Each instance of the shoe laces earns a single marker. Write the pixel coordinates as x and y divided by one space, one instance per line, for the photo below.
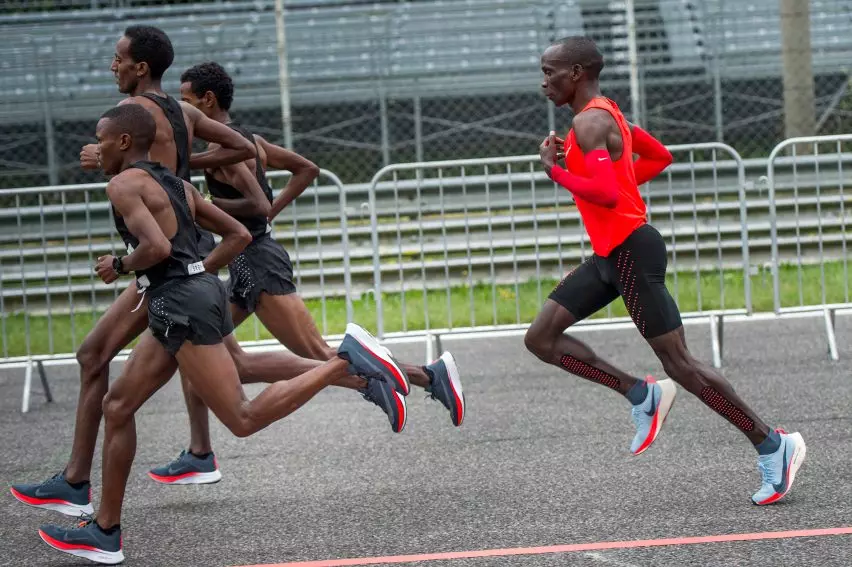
84 520
639 414
767 469
56 479
368 395
180 457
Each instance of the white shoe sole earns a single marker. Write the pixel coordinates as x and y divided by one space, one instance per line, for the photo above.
68 509
197 478
797 461
401 399
370 342
98 556
455 382
669 393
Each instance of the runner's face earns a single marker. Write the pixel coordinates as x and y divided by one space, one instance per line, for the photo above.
111 146
187 95
126 70
559 83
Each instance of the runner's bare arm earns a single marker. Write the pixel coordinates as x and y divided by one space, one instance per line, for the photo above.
234 235
304 172
154 246
653 158
253 201
591 129
234 148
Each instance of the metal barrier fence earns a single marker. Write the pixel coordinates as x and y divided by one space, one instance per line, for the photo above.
50 296
817 229
475 245
466 246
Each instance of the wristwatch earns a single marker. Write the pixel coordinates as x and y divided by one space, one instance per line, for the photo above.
117 265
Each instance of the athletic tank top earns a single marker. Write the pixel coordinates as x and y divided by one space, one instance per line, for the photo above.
607 228
174 114
257 225
184 259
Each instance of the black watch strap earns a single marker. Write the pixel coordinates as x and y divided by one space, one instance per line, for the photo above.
118 265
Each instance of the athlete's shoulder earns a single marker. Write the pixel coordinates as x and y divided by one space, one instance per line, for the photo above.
592 117
131 180
591 126
144 101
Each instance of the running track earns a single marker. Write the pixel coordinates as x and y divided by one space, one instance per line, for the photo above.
538 475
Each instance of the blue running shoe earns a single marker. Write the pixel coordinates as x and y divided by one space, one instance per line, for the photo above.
369 359
56 494
392 402
778 469
188 469
87 540
650 415
446 386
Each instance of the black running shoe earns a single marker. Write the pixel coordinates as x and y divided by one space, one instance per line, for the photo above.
188 469
56 494
87 540
392 402
446 386
368 359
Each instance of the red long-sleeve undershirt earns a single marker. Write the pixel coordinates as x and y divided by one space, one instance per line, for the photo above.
601 187
653 156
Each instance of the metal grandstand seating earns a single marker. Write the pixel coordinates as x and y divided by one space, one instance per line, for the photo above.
436 47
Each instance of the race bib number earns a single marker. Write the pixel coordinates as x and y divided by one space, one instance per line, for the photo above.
195 268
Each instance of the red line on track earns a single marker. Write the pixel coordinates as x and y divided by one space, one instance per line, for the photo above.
594 546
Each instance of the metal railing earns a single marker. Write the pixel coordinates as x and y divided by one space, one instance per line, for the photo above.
469 245
821 204
464 246
47 277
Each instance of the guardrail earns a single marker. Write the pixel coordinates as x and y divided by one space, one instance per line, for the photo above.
470 246
500 221
827 204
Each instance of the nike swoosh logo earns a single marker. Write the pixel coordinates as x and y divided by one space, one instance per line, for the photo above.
173 470
779 487
601 159
39 493
650 413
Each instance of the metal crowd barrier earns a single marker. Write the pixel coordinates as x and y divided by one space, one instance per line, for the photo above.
816 234
48 288
467 246
461 247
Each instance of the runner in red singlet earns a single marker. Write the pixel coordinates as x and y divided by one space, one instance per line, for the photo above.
629 261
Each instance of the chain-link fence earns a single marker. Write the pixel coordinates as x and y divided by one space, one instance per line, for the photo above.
374 83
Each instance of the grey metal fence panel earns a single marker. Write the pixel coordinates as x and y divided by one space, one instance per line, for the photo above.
465 245
810 247
51 237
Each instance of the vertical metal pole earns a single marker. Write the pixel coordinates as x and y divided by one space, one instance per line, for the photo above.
633 55
49 134
418 132
717 100
283 74
383 119
377 271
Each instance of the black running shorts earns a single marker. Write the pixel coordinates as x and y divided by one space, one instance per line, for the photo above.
634 270
192 309
263 267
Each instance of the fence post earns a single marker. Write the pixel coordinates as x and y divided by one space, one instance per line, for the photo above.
377 269
344 240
